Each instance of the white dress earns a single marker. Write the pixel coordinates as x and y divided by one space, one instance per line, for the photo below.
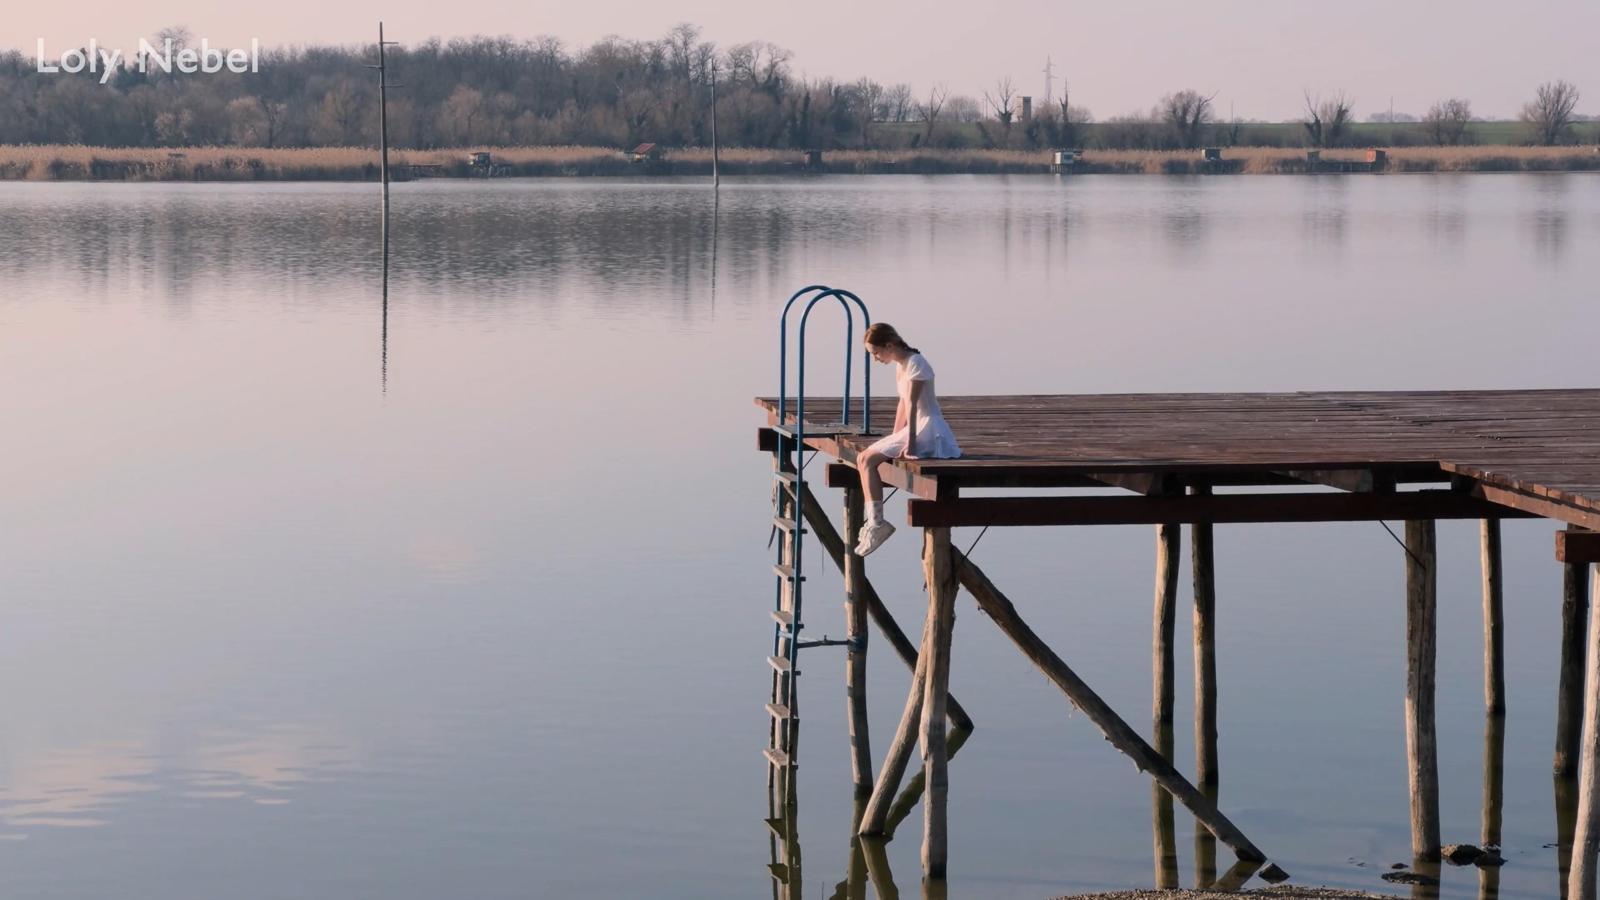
935 440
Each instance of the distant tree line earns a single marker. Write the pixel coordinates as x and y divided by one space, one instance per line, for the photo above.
498 91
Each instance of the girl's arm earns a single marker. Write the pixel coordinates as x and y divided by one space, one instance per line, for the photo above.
917 388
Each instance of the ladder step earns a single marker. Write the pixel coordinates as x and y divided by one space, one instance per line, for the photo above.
785 618
786 524
787 572
779 827
780 663
777 711
780 759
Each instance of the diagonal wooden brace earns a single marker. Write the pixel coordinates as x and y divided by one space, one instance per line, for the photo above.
829 537
1124 738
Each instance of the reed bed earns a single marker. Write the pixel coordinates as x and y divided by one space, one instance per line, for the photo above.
80 163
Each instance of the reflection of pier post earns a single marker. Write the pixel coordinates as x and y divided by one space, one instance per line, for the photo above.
1168 544
1494 773
1422 766
877 861
1566 824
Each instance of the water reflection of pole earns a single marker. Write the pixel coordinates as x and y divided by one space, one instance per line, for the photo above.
877 862
1566 826
716 216
384 341
1494 772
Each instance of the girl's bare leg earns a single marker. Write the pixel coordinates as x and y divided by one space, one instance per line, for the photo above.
871 481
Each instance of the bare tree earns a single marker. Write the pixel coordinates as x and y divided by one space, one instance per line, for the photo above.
1188 113
1447 121
961 108
1000 100
899 102
1549 116
867 102
1327 121
929 112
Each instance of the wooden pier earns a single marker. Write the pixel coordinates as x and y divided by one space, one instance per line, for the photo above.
1200 460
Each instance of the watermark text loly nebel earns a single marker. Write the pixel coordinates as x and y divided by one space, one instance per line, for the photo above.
105 61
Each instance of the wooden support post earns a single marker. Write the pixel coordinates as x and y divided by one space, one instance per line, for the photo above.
912 793
855 675
1586 837
1494 651
1162 685
1203 563
938 569
822 528
1569 691
1422 767
905 736
1164 618
1118 732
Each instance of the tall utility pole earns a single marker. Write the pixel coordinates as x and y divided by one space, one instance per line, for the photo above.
715 178
383 127
1049 80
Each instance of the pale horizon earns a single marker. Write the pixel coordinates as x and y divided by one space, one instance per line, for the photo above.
1256 58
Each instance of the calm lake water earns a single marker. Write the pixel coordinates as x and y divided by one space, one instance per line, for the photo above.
477 607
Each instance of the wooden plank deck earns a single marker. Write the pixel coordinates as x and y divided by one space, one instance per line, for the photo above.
1535 451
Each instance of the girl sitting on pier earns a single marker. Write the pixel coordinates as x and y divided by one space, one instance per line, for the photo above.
919 427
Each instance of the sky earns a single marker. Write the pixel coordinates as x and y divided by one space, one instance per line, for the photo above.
1258 57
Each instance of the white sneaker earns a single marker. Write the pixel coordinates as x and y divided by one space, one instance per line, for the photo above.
873 536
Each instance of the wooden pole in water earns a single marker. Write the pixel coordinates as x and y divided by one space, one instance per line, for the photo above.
1494 650
822 528
1569 692
940 573
1586 837
1422 767
1122 736
1162 683
1203 564
855 674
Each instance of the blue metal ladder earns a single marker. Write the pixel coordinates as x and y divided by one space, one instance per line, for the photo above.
789 497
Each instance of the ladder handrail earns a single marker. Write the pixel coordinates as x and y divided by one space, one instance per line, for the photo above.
849 342
783 351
